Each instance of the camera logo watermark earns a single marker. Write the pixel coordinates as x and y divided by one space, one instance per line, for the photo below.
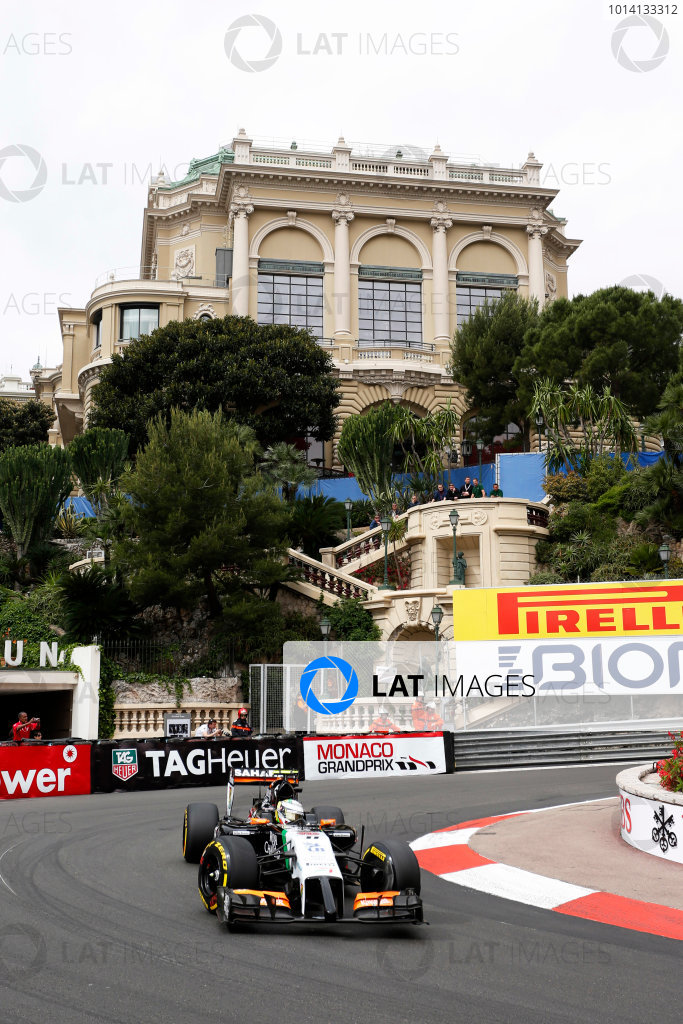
22 951
661 42
272 34
29 156
643 283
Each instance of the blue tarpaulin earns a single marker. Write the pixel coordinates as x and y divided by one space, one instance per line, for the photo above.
521 474
81 507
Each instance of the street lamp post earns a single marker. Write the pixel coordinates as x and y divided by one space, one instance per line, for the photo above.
454 518
348 505
665 555
385 523
480 448
466 449
437 616
539 428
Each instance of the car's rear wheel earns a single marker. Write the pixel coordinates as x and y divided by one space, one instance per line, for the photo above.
229 862
389 864
198 828
328 813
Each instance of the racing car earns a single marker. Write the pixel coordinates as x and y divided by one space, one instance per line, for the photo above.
285 864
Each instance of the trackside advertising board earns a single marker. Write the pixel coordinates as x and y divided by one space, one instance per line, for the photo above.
156 764
395 756
611 638
31 771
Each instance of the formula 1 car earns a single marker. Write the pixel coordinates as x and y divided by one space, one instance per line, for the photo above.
283 863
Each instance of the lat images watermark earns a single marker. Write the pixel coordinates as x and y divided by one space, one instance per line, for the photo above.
575 173
23 173
654 42
36 44
254 43
35 303
414 960
34 823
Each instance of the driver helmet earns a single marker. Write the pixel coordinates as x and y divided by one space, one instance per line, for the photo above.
242 712
288 812
382 711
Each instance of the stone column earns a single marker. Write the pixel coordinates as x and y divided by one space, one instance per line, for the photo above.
240 257
536 276
440 311
342 274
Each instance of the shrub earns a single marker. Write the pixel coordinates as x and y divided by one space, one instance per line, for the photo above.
563 489
538 579
351 621
603 472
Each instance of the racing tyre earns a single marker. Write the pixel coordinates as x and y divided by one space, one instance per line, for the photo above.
323 811
389 864
198 827
230 862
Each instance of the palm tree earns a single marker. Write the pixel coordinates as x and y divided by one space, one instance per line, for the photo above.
284 466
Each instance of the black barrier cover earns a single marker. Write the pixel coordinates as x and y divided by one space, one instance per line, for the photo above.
160 764
449 751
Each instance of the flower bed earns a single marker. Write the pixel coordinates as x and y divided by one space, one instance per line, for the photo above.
669 768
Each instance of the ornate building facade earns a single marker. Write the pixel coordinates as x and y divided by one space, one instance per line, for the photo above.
380 257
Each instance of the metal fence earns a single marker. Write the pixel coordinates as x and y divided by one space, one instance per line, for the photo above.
153 657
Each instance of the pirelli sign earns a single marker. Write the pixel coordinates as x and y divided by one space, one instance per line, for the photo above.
610 637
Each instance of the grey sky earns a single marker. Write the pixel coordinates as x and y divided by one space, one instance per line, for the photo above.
135 85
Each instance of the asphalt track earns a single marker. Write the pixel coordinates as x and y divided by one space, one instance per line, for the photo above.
100 921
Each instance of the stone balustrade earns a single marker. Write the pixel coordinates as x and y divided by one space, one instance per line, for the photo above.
146 721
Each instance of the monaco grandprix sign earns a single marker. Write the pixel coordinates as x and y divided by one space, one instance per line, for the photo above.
30 771
159 764
393 756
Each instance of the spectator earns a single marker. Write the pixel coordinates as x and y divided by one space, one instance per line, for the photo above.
375 521
414 501
37 735
240 727
452 493
23 729
496 492
477 490
395 510
466 489
439 493
208 730
382 723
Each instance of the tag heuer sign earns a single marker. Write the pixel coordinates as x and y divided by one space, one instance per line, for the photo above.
124 763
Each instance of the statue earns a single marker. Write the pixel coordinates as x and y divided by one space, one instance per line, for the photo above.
459 566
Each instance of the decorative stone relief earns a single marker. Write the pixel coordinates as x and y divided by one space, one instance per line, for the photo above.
412 607
486 230
479 517
291 217
183 264
391 225
550 286
205 309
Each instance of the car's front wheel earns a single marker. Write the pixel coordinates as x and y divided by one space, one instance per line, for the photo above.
229 862
389 865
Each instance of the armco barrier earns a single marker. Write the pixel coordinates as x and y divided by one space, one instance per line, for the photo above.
160 764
